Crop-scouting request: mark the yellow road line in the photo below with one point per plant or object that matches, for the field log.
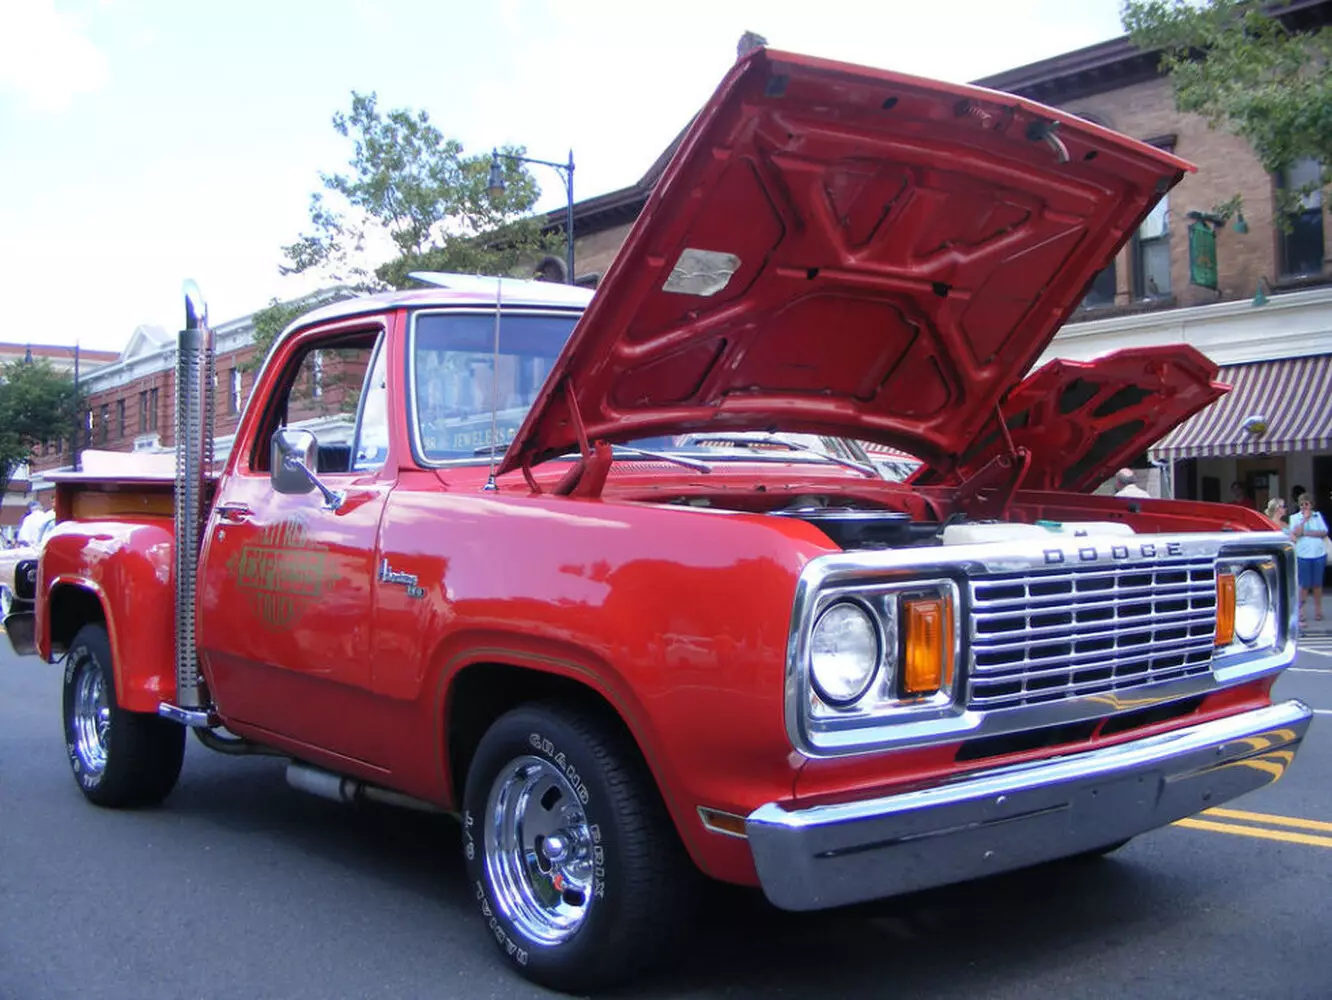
(1253, 831)
(1251, 817)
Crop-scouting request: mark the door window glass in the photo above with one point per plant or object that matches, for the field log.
(372, 433)
(320, 391)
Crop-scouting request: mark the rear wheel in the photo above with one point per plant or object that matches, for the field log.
(119, 758)
(572, 857)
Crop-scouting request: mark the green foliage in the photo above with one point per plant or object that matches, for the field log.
(1237, 65)
(37, 404)
(421, 200)
(271, 321)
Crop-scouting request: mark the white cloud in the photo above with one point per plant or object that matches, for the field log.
(46, 56)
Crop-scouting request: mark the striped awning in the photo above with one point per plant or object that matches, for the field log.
(1292, 396)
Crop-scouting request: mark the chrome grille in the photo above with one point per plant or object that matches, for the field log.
(1042, 636)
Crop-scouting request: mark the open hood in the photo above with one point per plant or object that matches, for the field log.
(845, 251)
(1083, 420)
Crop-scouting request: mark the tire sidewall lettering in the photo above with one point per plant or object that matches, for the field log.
(518, 950)
(78, 659)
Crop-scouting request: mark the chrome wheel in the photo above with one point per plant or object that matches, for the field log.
(538, 850)
(92, 719)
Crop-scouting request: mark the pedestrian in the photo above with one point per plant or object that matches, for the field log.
(1127, 482)
(1238, 494)
(1309, 530)
(30, 528)
(1276, 512)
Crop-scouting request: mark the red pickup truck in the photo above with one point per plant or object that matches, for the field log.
(603, 576)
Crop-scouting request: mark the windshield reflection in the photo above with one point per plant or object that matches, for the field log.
(470, 395)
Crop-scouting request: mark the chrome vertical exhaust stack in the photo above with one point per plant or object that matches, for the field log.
(195, 367)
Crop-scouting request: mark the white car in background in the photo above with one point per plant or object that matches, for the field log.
(10, 559)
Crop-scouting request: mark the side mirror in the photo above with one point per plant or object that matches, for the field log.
(291, 470)
(293, 457)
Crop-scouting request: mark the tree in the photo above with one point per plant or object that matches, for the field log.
(37, 404)
(1236, 63)
(418, 197)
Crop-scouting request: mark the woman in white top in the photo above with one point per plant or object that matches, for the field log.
(1309, 529)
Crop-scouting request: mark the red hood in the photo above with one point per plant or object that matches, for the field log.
(840, 250)
(1083, 420)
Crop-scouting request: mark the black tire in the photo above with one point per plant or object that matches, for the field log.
(624, 851)
(120, 759)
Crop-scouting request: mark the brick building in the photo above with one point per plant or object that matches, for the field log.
(1268, 321)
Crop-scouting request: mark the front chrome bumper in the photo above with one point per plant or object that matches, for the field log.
(1010, 817)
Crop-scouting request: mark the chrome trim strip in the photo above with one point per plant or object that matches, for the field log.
(1019, 815)
(845, 573)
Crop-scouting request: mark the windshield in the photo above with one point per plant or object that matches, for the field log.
(458, 376)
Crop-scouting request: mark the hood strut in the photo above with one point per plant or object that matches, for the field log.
(987, 492)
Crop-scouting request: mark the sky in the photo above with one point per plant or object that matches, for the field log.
(144, 142)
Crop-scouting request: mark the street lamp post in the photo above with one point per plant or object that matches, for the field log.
(495, 186)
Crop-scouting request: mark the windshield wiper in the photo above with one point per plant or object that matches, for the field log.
(688, 463)
(742, 439)
(662, 456)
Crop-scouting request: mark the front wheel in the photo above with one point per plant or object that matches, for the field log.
(573, 860)
(120, 758)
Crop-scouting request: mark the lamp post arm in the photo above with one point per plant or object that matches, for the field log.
(567, 172)
(529, 159)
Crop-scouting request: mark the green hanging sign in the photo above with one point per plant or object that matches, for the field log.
(1202, 255)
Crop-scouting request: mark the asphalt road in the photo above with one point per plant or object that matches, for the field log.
(241, 888)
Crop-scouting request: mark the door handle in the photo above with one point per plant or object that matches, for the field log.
(234, 512)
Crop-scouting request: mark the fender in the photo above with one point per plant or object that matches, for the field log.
(128, 567)
(483, 647)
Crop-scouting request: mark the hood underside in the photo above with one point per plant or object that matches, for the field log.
(845, 251)
(1082, 420)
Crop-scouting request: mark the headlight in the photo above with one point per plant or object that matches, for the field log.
(843, 653)
(1252, 602)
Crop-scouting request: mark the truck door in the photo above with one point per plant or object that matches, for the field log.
(286, 582)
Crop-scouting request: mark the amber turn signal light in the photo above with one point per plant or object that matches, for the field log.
(1225, 609)
(928, 663)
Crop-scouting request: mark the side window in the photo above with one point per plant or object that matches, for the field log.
(372, 431)
(321, 391)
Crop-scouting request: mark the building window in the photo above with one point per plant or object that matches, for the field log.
(143, 412)
(152, 409)
(120, 415)
(1302, 246)
(1151, 254)
(234, 402)
(87, 428)
(1101, 292)
(104, 423)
